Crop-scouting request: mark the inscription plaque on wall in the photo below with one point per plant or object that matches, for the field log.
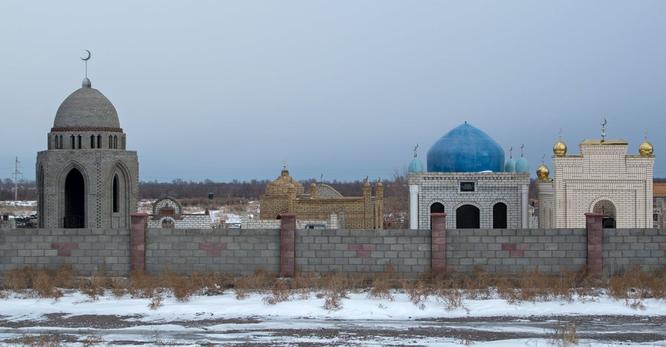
(466, 186)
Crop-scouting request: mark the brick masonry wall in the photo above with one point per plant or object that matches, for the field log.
(87, 250)
(624, 249)
(212, 250)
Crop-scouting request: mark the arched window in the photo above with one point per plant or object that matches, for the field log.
(92, 141)
(79, 142)
(116, 194)
(468, 217)
(56, 142)
(99, 141)
(607, 209)
(73, 141)
(499, 216)
(110, 141)
(115, 142)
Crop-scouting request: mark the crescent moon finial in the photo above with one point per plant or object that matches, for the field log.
(88, 56)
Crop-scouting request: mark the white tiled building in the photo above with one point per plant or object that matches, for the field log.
(604, 179)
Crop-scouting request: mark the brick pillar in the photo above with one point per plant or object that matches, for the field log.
(287, 244)
(438, 243)
(138, 228)
(595, 239)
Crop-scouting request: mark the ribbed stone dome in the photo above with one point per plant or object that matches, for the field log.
(465, 149)
(86, 108)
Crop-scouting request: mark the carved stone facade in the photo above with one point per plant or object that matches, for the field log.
(286, 195)
(86, 178)
(603, 179)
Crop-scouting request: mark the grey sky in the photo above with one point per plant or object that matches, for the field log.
(232, 89)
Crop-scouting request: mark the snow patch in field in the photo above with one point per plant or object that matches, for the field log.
(356, 306)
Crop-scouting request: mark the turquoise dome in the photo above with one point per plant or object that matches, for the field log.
(510, 165)
(465, 149)
(522, 165)
(415, 166)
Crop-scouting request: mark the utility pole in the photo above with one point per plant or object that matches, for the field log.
(17, 174)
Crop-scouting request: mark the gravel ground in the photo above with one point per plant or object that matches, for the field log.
(131, 330)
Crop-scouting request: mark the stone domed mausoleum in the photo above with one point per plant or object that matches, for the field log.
(468, 178)
(86, 178)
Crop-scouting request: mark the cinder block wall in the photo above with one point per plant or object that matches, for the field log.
(512, 251)
(321, 251)
(363, 251)
(624, 249)
(212, 250)
(87, 250)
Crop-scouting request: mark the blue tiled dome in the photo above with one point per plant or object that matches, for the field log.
(465, 149)
(522, 166)
(510, 166)
(415, 166)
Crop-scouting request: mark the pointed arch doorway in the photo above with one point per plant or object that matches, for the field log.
(75, 200)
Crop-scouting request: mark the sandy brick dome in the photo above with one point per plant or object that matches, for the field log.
(86, 108)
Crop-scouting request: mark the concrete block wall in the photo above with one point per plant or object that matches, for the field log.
(289, 251)
(363, 251)
(87, 250)
(623, 249)
(212, 250)
(516, 250)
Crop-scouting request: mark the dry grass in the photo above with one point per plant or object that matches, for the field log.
(44, 340)
(280, 292)
(155, 302)
(633, 286)
(565, 335)
(44, 285)
(259, 281)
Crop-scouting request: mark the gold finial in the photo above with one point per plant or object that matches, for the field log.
(646, 149)
(542, 171)
(560, 148)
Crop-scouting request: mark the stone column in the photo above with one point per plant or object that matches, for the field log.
(287, 244)
(524, 203)
(138, 228)
(438, 243)
(595, 239)
(413, 206)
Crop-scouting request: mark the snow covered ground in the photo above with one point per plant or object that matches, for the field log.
(223, 319)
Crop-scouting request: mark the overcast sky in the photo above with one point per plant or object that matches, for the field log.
(233, 89)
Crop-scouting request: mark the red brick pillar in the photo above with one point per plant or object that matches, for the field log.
(438, 243)
(138, 228)
(595, 239)
(287, 244)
